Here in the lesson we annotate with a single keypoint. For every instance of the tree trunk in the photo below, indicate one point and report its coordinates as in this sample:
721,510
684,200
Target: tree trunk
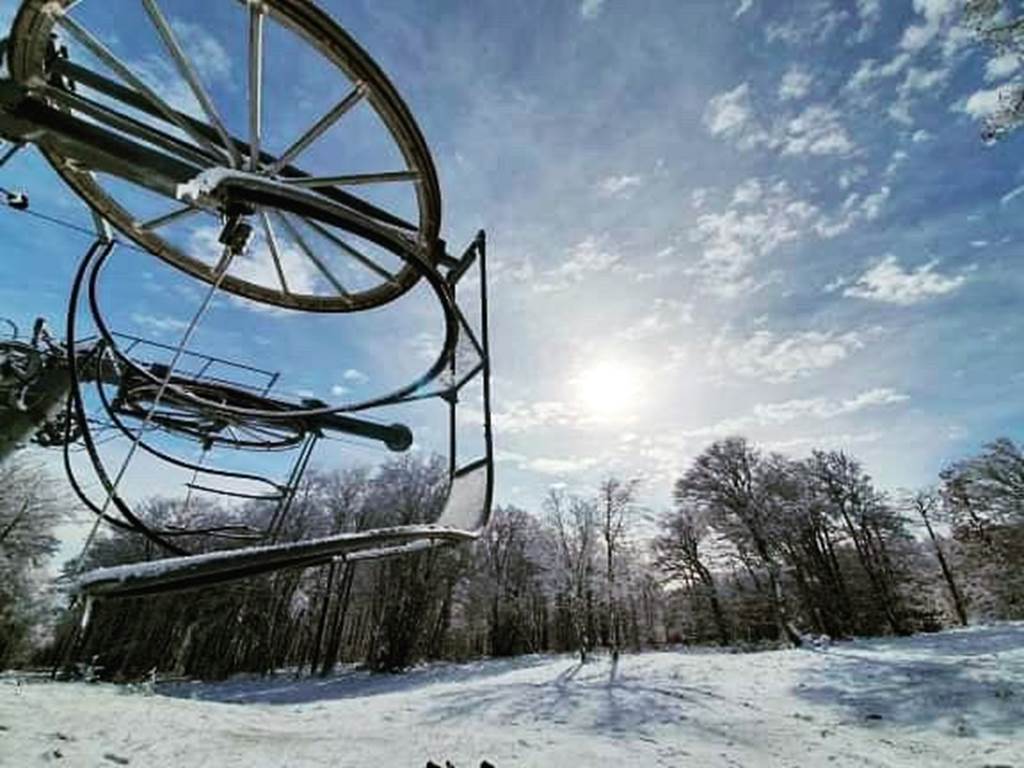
947,573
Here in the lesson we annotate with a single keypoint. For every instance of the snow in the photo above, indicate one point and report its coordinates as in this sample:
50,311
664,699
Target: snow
955,698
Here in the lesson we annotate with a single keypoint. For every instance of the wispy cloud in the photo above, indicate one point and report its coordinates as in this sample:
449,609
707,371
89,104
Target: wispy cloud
587,257
762,217
888,282
742,8
869,13
1002,66
760,220
773,357
212,62
764,415
561,465
935,15
619,186
730,115
158,324
591,9
810,23
984,103
818,129
663,316
795,84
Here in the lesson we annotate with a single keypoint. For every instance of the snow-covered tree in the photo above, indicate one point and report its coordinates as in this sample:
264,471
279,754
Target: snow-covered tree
29,513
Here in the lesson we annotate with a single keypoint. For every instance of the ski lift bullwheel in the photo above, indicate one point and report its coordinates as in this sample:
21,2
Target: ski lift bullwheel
187,148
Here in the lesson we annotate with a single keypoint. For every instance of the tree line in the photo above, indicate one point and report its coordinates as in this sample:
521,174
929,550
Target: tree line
757,549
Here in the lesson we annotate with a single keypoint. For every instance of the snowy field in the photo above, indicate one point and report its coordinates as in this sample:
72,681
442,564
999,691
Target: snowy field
955,699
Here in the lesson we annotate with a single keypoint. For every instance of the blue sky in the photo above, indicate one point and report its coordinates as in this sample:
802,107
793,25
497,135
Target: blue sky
705,218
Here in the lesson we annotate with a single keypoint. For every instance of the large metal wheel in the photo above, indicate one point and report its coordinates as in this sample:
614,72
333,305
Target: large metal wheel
291,241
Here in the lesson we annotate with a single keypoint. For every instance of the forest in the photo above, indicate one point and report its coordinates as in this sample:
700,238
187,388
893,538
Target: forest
758,550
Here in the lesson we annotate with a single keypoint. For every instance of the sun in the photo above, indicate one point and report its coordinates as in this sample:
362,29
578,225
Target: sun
608,389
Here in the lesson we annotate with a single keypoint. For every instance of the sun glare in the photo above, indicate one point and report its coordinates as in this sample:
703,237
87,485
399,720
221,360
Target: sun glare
608,389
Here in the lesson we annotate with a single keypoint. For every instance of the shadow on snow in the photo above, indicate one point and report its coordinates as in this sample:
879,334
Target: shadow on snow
957,681
349,684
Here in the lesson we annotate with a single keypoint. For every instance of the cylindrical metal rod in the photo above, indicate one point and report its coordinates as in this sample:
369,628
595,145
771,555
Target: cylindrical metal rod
397,437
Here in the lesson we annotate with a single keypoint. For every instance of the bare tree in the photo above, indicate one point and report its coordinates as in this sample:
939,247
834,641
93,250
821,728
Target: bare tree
678,554
926,503
574,523
615,500
731,483
29,512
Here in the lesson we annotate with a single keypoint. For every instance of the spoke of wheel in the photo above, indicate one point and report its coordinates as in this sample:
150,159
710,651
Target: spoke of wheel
319,127
101,52
255,82
225,261
304,246
366,261
192,78
275,251
167,218
354,179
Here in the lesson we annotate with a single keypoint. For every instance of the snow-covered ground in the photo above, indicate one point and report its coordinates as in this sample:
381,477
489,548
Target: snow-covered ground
955,699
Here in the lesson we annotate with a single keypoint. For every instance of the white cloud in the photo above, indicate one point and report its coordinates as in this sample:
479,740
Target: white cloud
1002,66
872,205
748,192
920,136
817,130
983,103
743,7
734,239
917,81
824,408
518,416
899,157
836,283
663,315
767,415
622,186
1011,195
811,23
870,13
935,14
889,282
591,9
425,345
795,84
730,114
855,208
828,440
159,324
207,55
586,257
760,218
870,71
851,174
560,466
770,357
351,374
